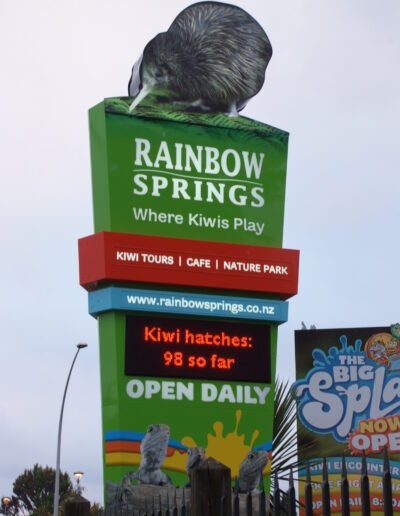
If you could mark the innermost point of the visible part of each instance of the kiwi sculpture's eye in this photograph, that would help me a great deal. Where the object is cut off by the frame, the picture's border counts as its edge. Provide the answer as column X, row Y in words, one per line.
column 151, row 428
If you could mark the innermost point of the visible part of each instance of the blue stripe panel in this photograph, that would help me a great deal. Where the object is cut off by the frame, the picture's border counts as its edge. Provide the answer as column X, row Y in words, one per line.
column 122, row 435
column 353, row 466
column 266, row 447
column 185, row 303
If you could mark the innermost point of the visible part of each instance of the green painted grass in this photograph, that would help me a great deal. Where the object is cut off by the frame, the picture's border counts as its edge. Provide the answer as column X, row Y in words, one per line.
column 160, row 105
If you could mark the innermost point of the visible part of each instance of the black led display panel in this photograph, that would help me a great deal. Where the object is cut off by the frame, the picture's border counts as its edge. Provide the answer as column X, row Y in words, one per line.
column 197, row 348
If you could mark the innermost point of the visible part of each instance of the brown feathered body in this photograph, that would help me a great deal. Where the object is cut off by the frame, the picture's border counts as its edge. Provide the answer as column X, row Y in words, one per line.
column 213, row 53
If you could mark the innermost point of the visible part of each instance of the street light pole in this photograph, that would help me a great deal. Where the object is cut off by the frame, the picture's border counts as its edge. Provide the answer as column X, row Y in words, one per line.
column 57, row 483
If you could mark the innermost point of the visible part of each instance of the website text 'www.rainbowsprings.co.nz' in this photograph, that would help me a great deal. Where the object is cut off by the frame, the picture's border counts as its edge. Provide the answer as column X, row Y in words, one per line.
column 204, row 306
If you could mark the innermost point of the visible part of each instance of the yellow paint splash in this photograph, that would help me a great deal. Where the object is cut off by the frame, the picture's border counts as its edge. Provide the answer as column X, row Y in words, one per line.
column 231, row 449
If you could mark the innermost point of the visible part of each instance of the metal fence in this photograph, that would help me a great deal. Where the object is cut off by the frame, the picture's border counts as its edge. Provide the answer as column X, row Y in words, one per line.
column 278, row 502
column 154, row 507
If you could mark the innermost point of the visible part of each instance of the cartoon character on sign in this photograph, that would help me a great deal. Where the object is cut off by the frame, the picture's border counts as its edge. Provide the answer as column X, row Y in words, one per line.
column 212, row 58
column 384, row 348
column 377, row 351
column 395, row 330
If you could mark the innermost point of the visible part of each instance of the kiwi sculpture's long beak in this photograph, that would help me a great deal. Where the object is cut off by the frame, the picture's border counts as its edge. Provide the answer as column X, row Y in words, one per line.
column 141, row 95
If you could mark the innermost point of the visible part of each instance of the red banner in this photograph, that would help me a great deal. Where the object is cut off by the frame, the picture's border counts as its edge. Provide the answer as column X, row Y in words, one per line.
column 110, row 256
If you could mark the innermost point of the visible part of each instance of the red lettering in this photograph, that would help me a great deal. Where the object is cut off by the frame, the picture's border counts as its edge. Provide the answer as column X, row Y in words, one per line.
column 149, row 334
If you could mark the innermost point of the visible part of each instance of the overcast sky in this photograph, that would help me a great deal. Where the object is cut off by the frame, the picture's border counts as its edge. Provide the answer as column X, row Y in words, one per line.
column 333, row 83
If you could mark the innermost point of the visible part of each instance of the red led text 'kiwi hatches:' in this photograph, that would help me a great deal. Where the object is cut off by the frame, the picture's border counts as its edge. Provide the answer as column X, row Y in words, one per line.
column 156, row 334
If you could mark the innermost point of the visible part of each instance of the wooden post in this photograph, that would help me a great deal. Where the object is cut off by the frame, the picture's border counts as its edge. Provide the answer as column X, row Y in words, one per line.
column 207, row 489
column 77, row 506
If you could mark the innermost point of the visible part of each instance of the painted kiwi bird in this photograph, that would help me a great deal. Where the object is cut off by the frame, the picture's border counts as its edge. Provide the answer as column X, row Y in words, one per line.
column 213, row 57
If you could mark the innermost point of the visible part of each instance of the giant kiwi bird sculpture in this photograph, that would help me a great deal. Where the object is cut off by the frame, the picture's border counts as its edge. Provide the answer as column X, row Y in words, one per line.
column 213, row 58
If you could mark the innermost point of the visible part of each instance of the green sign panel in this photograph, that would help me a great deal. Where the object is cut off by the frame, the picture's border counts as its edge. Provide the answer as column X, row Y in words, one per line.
column 204, row 177
column 189, row 379
column 227, row 418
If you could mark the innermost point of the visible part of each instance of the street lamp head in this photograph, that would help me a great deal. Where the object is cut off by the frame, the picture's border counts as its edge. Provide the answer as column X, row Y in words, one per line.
column 81, row 345
column 78, row 476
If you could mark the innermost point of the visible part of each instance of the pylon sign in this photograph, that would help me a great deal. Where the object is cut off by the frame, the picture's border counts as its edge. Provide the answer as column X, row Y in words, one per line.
column 188, row 281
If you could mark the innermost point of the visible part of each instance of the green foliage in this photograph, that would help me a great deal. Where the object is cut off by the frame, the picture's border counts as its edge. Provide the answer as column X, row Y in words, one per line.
column 34, row 491
column 12, row 508
column 284, row 446
column 96, row 509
